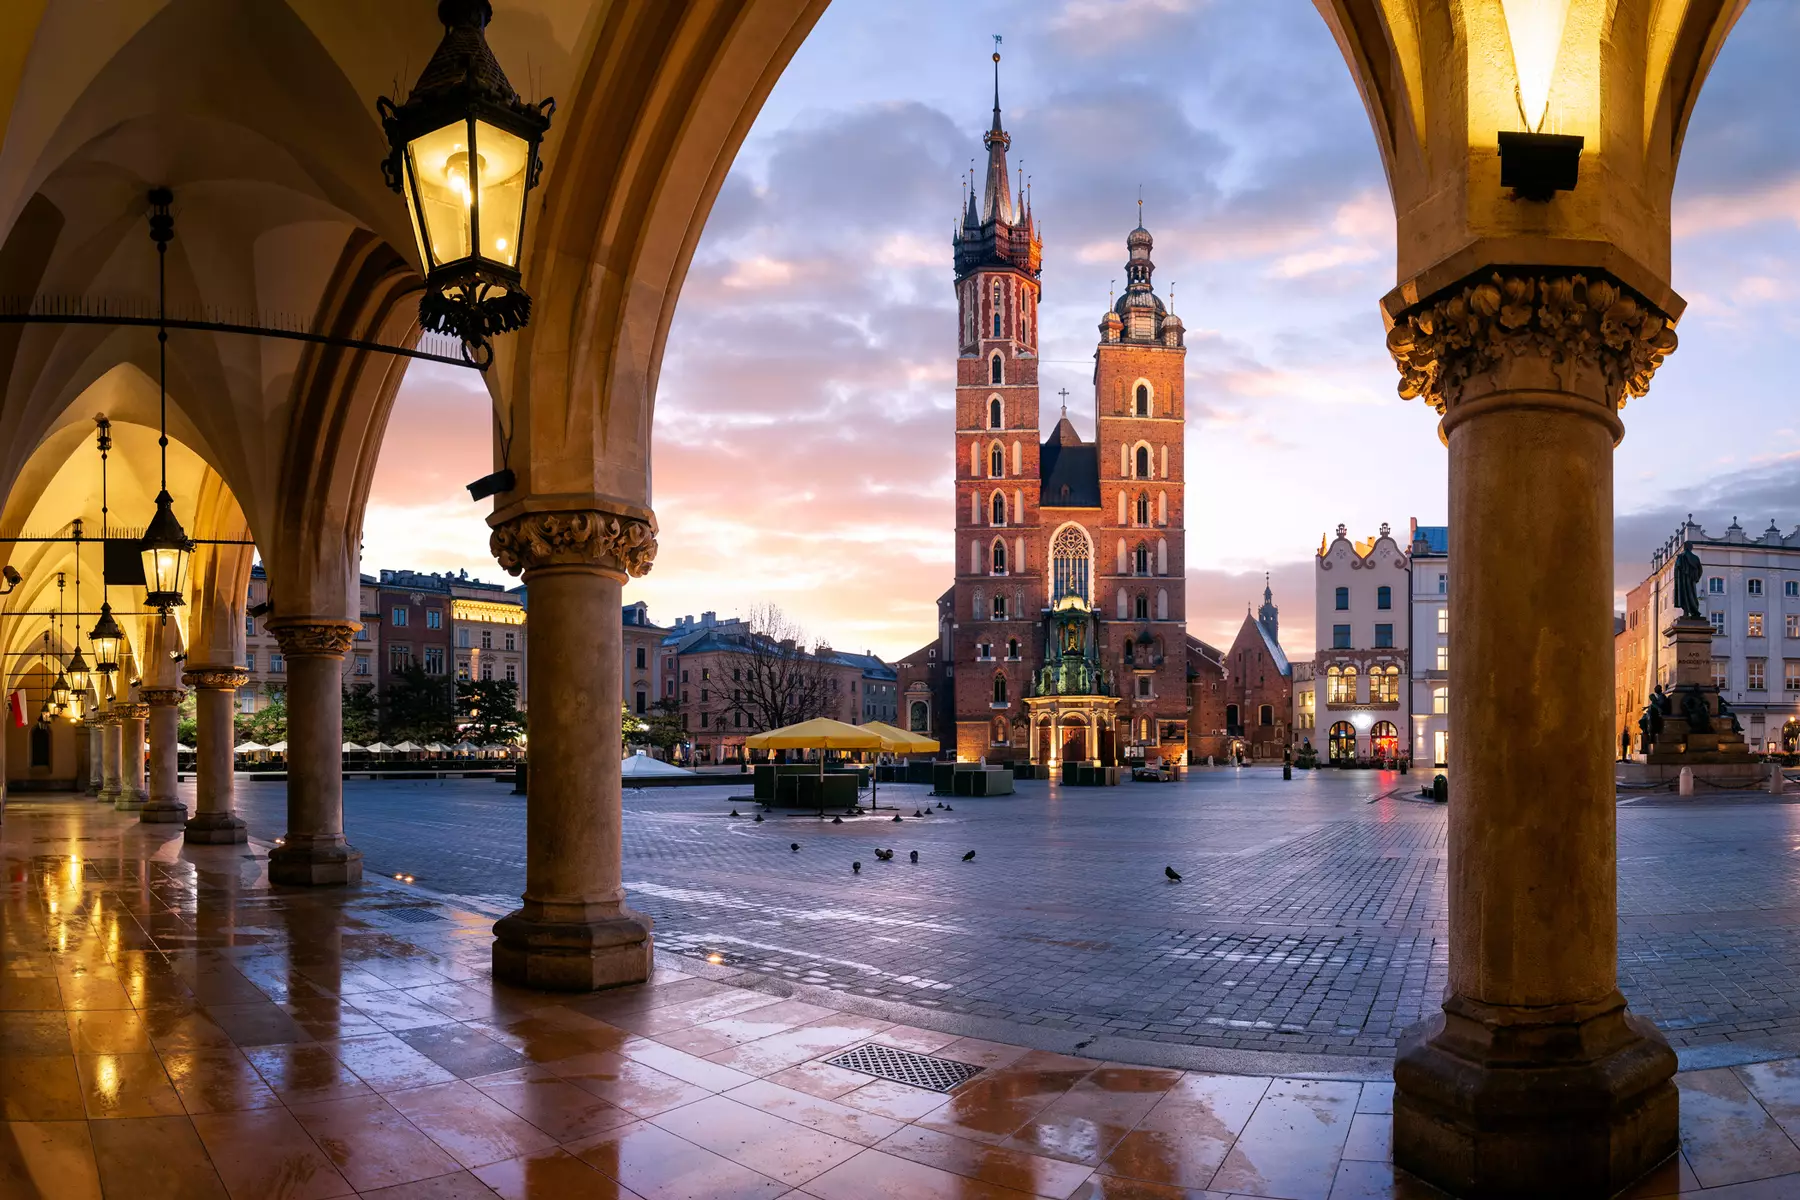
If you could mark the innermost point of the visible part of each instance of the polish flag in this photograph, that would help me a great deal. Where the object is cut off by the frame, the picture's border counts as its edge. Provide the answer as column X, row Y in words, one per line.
column 16, row 702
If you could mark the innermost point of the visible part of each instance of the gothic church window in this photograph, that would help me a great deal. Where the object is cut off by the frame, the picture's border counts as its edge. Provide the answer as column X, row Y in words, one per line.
column 996, row 308
column 999, row 607
column 999, row 508
column 1140, row 560
column 1143, row 400
column 999, row 559
column 997, row 462
column 1143, row 508
column 1069, row 558
column 996, row 416
column 1143, row 607
column 996, row 375
column 999, row 689
column 1143, row 462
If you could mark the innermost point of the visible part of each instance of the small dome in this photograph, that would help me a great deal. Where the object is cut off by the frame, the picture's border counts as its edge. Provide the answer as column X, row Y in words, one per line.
column 1139, row 237
column 1133, row 301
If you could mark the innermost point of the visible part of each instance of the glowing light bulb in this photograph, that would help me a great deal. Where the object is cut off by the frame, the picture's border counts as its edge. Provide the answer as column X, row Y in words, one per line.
column 1536, row 30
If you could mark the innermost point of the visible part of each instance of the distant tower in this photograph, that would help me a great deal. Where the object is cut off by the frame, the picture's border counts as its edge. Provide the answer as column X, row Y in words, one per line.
column 999, row 578
column 1268, row 616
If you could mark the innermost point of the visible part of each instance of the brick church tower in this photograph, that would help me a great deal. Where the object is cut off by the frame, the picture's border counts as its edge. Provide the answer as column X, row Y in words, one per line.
column 1066, row 621
column 999, row 589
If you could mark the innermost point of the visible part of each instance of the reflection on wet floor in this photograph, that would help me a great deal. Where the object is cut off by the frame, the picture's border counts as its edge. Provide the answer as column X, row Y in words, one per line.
column 170, row 1026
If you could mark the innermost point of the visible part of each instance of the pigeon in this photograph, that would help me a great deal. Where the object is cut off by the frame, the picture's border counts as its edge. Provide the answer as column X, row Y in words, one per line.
column 794, row 846
column 837, row 820
column 969, row 857
column 918, row 812
column 856, row 868
column 759, row 818
column 915, row 856
column 1173, row 874
column 884, row 855
column 734, row 812
column 947, row 808
column 896, row 818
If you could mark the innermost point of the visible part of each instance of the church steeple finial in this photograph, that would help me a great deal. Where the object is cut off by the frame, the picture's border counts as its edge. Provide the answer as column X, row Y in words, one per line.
column 996, row 200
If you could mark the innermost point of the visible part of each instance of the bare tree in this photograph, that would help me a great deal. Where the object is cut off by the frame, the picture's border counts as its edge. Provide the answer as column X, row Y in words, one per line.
column 773, row 679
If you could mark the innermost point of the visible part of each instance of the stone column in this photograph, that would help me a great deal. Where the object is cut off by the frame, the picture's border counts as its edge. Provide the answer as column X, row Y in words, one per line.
column 112, row 752
column 164, row 806
column 314, row 851
column 1534, row 1080
column 132, row 795
column 94, row 729
column 215, row 819
column 574, row 931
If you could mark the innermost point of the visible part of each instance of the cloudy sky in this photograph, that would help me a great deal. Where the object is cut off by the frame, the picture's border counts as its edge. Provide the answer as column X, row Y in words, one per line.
column 803, row 450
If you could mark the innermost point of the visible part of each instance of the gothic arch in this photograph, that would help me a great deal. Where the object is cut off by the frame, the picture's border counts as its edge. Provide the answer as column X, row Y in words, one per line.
column 1071, row 563
column 1142, row 398
column 996, row 412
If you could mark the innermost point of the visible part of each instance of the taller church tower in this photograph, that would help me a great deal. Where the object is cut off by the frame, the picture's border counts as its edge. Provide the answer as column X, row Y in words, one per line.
column 999, row 592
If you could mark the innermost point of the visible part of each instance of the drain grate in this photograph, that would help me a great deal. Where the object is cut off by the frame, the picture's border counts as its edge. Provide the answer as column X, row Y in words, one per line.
column 413, row 916
column 903, row 1066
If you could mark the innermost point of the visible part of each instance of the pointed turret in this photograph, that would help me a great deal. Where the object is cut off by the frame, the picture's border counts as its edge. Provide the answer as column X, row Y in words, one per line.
column 996, row 196
column 1268, row 616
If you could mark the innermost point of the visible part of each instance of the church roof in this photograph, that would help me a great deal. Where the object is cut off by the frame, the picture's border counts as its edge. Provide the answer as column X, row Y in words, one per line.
column 1068, row 470
column 1274, row 648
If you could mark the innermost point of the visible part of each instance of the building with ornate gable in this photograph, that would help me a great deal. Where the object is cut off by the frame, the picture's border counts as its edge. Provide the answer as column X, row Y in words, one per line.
column 1361, row 670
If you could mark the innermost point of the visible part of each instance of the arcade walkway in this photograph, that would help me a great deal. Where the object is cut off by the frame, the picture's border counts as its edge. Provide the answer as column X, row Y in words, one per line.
column 172, row 1027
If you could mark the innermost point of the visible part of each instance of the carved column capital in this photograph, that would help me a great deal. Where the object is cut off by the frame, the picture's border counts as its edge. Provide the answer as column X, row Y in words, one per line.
column 131, row 712
column 1577, row 321
column 159, row 697
column 222, row 679
column 315, row 639
column 586, row 537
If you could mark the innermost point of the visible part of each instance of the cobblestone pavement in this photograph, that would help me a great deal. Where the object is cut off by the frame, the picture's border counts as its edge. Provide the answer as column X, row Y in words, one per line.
column 1310, row 916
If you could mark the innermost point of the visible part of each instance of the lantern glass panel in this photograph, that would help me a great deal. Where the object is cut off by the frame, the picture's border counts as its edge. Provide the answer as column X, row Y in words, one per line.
column 165, row 569
column 502, row 160
column 106, row 650
column 438, row 185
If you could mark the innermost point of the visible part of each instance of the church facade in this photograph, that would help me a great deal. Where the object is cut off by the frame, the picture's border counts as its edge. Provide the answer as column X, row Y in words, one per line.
column 1063, row 637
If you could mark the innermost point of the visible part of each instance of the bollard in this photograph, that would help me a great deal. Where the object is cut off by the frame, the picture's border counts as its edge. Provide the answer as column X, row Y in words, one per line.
column 1440, row 789
column 1777, row 780
column 1686, row 784
column 1287, row 772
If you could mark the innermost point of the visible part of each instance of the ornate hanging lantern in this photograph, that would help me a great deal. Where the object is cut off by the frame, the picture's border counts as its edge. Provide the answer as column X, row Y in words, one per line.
column 165, row 548
column 464, row 151
column 107, row 638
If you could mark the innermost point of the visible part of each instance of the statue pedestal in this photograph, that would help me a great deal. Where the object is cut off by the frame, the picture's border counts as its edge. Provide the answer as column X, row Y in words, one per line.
column 1685, row 739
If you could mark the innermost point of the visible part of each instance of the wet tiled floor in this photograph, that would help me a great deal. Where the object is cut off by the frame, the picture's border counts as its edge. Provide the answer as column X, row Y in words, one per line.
column 172, row 1027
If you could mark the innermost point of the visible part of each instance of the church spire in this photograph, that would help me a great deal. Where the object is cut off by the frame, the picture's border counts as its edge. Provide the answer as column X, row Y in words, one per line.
column 996, row 199
column 1268, row 616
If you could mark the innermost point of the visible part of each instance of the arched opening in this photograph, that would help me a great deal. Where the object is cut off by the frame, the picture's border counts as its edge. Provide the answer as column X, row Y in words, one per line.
column 1233, row 724
column 999, row 688
column 998, row 507
column 1142, row 404
column 996, row 414
column 1384, row 740
column 1265, row 716
column 996, row 373
column 999, row 561
column 1342, row 745
column 918, row 717
column 1143, row 508
column 1143, row 462
column 1140, row 559
column 1070, row 558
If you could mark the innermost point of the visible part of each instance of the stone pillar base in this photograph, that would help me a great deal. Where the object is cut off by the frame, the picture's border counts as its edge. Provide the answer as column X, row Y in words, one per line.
column 537, row 951
column 163, row 812
column 315, row 862
column 214, row 829
column 130, row 801
column 1570, row 1101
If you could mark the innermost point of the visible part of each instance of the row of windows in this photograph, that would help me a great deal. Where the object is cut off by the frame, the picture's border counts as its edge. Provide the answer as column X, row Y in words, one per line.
column 1756, row 673
column 1384, row 637
column 1715, row 585
column 487, row 670
column 1340, row 685
column 1753, row 624
column 434, row 618
column 1384, row 597
column 509, row 641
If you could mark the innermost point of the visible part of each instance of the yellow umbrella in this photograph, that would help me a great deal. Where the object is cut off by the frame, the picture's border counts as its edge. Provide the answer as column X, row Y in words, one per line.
column 902, row 741
column 821, row 734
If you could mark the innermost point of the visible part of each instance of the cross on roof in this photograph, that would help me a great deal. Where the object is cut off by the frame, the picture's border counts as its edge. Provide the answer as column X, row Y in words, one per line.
column 1065, row 401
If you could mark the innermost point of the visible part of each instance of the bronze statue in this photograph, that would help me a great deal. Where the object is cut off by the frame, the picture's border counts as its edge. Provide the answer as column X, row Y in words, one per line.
column 1725, row 714
column 1659, row 700
column 1694, row 712
column 1687, row 581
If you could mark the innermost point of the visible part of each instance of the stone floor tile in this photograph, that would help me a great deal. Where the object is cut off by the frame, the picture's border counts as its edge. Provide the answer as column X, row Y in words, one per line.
column 839, row 1120
column 22, row 995
column 473, row 1128
column 108, row 1031
column 552, row 1175
column 259, row 1023
column 154, row 1158
column 1776, row 1086
column 919, row 1041
column 48, row 1160
column 264, row 1153
column 211, row 1081
column 92, row 987
column 1371, row 1137
column 183, row 1026
column 1360, row 1179
column 816, row 1039
column 462, row 1050
column 126, row 1085
column 633, row 1086
column 1291, row 1146
column 34, row 1033
column 1671, row 1177
column 979, row 1052
column 751, row 1137
column 875, row 1175
column 546, row 1035
column 1726, row 1136
column 458, row 1185
column 1085, row 1123
column 887, row 1098
column 551, row 1103
column 819, row 1079
column 40, row 1088
column 1003, row 1166
column 1376, row 1098
column 370, row 1143
column 302, row 1072
column 386, row 1063
column 658, row 1165
column 686, row 1067
column 997, row 1104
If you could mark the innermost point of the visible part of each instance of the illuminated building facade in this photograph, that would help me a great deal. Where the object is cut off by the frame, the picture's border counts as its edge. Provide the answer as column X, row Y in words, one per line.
column 1361, row 670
